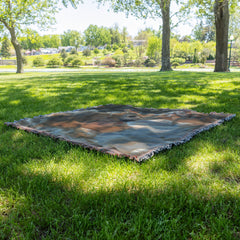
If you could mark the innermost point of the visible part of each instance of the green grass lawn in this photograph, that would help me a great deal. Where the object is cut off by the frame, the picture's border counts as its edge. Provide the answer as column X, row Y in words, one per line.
column 53, row 190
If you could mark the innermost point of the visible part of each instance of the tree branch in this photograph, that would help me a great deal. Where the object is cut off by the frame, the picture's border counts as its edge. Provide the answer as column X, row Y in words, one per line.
column 5, row 23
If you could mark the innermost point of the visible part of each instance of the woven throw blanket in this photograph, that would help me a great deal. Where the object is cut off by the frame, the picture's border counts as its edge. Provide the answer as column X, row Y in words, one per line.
column 123, row 130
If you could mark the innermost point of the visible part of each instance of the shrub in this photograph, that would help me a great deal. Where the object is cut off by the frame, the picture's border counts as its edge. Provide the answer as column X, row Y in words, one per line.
column 76, row 62
column 126, row 59
column 96, row 50
column 178, row 60
column 203, row 59
column 109, row 61
column 138, row 62
column 74, row 51
column 38, row 62
column 54, row 62
column 131, row 46
column 97, row 62
column 105, row 52
column 130, row 63
column 119, row 60
column 125, row 50
column 154, row 48
column 175, row 64
column 109, row 48
column 68, row 60
column 24, row 60
column 118, row 52
column 86, row 52
column 115, row 46
column 63, row 54
column 150, row 62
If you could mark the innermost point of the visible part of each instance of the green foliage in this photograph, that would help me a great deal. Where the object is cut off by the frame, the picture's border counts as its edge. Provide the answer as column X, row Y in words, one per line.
column 192, row 50
column 119, row 60
column 17, row 14
column 68, row 60
column 97, row 62
column 145, row 35
column 175, row 64
column 97, row 36
column 77, row 62
column 96, row 50
column 24, row 60
column 109, row 47
column 38, row 62
column 74, row 51
column 124, row 35
column 73, row 61
column 150, row 62
column 154, row 48
column 234, row 25
column 51, row 41
column 71, row 38
column 54, row 62
column 195, row 57
column 105, row 51
column 118, row 52
column 115, row 47
column 140, row 51
column 115, row 35
column 125, row 50
column 63, row 54
column 205, row 33
column 5, row 49
column 236, row 52
column 178, row 60
column 86, row 52
column 138, row 62
column 126, row 59
column 31, row 40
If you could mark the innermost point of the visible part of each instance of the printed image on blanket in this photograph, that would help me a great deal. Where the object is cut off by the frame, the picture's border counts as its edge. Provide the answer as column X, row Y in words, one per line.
column 123, row 130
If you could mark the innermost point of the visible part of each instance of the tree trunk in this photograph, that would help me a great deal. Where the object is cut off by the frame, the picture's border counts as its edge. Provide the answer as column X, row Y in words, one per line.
column 165, row 8
column 221, row 12
column 17, row 48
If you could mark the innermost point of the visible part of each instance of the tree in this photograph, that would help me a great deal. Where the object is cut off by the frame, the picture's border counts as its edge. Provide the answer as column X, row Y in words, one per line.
column 124, row 35
column 15, row 15
column 5, row 49
column 31, row 41
column 165, row 9
column 51, row 41
column 205, row 32
column 154, row 48
column 72, row 38
column 144, row 35
column 221, row 10
column 97, row 36
column 144, row 9
column 115, row 35
column 234, row 25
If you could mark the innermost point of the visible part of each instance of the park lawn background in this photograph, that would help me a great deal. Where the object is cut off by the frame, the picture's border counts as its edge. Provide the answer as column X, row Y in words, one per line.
column 52, row 190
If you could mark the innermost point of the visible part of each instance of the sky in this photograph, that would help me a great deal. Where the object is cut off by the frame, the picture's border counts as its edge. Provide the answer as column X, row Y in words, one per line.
column 88, row 13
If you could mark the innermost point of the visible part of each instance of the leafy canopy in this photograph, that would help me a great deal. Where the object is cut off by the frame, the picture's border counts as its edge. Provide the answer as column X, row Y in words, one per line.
column 21, row 13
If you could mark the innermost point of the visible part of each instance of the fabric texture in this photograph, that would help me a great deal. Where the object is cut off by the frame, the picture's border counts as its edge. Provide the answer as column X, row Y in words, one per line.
column 123, row 130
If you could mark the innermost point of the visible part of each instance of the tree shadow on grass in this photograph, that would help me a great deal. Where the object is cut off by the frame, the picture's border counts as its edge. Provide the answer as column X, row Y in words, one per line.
column 38, row 95
column 45, row 201
column 43, row 206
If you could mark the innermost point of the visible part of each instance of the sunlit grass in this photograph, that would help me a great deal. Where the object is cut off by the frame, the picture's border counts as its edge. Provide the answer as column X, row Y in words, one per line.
column 53, row 190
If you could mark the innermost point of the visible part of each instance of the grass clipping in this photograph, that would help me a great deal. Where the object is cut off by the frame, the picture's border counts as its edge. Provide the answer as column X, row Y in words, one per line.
column 123, row 130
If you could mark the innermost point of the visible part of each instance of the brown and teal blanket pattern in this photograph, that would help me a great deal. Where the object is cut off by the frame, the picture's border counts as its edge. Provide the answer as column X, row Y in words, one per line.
column 122, row 130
